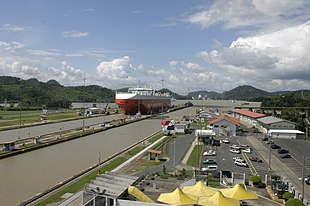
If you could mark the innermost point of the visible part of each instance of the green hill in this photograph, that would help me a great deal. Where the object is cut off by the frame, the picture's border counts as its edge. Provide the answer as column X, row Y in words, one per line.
column 246, row 92
column 34, row 93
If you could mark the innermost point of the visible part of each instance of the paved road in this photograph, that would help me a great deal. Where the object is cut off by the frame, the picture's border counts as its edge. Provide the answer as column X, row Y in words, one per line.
column 279, row 166
column 11, row 135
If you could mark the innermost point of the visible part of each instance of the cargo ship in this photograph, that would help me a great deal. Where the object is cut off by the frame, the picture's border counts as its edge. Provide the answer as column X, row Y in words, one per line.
column 142, row 100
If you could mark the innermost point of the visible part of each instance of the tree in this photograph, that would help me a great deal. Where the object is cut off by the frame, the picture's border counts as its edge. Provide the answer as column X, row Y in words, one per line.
column 287, row 195
column 294, row 202
column 255, row 179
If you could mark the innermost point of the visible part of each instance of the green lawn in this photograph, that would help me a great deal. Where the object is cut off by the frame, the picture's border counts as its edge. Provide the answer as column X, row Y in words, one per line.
column 195, row 156
column 15, row 118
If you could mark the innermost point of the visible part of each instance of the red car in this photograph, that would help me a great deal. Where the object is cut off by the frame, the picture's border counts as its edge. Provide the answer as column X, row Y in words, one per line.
column 255, row 159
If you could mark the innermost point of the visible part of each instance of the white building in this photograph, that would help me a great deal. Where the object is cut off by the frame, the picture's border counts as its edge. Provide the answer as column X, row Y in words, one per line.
column 225, row 125
column 286, row 134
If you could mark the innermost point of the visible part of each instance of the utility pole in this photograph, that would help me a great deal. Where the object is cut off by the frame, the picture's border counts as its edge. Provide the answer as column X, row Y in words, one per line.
column 84, row 105
column 162, row 101
column 269, row 168
column 99, row 158
column 188, row 100
column 303, row 176
column 20, row 108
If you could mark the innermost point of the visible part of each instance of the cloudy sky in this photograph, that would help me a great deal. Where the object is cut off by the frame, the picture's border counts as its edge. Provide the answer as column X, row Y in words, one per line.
column 193, row 45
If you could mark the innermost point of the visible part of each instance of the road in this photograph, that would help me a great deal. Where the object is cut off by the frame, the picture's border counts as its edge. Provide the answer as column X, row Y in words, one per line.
column 11, row 135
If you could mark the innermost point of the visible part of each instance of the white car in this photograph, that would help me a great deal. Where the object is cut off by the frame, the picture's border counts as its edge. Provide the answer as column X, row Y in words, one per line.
column 238, row 159
column 235, row 151
column 241, row 164
column 209, row 168
column 209, row 153
column 226, row 141
column 247, row 150
column 234, row 146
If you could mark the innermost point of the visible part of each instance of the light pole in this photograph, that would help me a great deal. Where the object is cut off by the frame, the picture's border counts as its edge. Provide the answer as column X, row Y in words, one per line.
column 174, row 137
column 303, row 176
column 84, row 105
column 162, row 101
column 188, row 97
column 269, row 165
column 99, row 158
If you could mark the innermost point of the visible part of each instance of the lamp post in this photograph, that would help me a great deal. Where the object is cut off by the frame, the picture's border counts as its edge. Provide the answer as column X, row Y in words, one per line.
column 303, row 176
column 269, row 164
column 84, row 105
column 174, row 137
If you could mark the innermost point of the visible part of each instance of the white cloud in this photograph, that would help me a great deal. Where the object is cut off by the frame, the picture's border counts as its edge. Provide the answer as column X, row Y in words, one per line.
column 257, row 13
column 116, row 72
column 12, row 46
column 280, row 56
column 75, row 34
column 12, row 27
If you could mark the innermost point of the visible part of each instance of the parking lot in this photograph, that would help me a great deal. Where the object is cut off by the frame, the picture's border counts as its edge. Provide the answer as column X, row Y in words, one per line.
column 290, row 168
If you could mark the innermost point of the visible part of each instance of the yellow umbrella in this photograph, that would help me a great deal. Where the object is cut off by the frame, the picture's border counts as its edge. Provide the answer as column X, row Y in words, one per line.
column 218, row 199
column 177, row 197
column 199, row 190
column 238, row 192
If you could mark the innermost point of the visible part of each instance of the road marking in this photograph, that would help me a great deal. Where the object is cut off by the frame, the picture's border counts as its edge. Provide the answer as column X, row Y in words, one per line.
column 248, row 162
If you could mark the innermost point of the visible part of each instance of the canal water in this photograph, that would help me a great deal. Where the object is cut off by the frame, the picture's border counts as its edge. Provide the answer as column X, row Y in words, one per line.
column 25, row 175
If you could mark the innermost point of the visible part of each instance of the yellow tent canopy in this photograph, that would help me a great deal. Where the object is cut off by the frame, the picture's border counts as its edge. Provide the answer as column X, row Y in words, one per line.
column 177, row 197
column 132, row 190
column 238, row 192
column 218, row 199
column 199, row 190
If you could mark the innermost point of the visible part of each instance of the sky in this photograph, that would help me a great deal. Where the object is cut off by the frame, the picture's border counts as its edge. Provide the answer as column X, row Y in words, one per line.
column 210, row 45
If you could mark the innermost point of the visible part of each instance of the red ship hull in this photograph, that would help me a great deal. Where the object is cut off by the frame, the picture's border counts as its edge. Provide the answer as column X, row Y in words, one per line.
column 145, row 106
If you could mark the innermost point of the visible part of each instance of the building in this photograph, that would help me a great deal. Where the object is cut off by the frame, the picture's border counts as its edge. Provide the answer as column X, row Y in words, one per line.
column 225, row 125
column 279, row 128
column 266, row 123
column 247, row 116
column 286, row 134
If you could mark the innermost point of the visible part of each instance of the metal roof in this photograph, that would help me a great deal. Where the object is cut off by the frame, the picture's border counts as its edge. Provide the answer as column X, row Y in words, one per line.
column 110, row 184
column 248, row 113
column 271, row 120
column 288, row 131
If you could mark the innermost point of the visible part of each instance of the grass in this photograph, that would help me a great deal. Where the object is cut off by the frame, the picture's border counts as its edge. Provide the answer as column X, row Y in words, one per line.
column 77, row 186
column 156, row 137
column 11, row 118
column 194, row 158
column 135, row 150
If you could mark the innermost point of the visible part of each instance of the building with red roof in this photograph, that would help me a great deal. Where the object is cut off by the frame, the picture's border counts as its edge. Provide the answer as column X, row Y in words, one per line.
column 247, row 116
column 225, row 125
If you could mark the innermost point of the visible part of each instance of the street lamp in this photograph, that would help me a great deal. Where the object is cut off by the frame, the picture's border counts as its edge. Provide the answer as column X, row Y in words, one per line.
column 174, row 137
column 84, row 105
column 303, row 176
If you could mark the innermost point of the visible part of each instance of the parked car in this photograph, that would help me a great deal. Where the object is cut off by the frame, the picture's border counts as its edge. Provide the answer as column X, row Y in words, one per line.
column 209, row 161
column 235, row 151
column 285, row 156
column 265, row 139
column 247, row 150
column 238, row 159
column 241, row 164
column 307, row 179
column 209, row 153
column 269, row 142
column 274, row 146
column 283, row 151
column 209, row 168
column 255, row 159
column 226, row 141
column 234, row 146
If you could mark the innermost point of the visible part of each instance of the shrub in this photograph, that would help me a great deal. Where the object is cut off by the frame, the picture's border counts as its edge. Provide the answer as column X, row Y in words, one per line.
column 287, row 195
column 294, row 202
column 255, row 179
